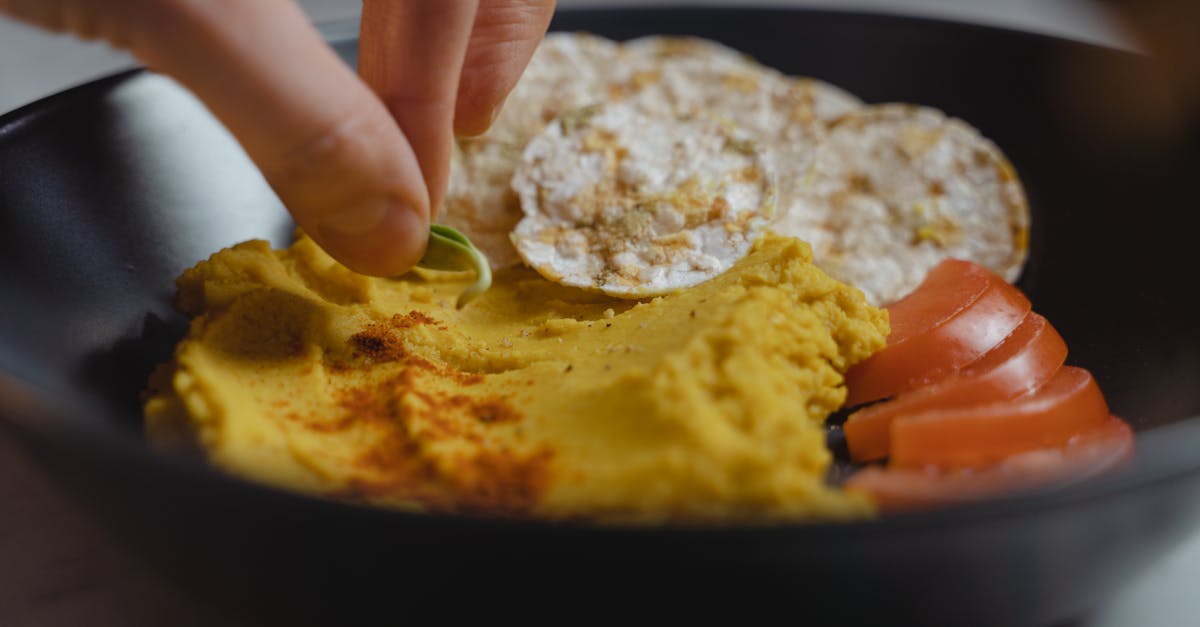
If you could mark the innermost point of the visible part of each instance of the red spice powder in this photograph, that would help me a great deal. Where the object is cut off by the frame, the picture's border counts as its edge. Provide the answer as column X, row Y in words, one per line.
column 494, row 412
column 401, row 464
column 415, row 318
column 379, row 342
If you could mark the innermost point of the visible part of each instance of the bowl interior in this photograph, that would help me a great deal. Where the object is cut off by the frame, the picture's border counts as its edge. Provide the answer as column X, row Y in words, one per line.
column 109, row 191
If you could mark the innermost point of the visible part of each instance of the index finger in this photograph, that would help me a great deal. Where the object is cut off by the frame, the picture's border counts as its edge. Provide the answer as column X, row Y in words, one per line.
column 326, row 145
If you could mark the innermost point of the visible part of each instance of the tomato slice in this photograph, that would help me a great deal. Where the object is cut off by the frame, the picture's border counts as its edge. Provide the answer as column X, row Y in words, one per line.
column 959, row 312
column 973, row 436
column 1088, row 454
column 1022, row 362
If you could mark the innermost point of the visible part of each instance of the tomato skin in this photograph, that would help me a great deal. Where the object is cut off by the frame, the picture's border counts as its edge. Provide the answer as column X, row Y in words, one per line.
column 979, row 401
column 1025, row 360
column 957, row 314
column 974, row 436
column 1090, row 453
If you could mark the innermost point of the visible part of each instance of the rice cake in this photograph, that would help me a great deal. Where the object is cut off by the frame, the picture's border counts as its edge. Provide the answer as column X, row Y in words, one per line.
column 786, row 116
column 690, row 74
column 898, row 188
column 635, row 203
column 666, row 75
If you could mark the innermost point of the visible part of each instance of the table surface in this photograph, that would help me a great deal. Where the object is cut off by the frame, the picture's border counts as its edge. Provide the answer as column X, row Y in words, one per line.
column 58, row 567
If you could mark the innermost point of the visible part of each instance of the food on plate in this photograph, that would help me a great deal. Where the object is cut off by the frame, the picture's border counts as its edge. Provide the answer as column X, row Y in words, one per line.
column 1012, row 418
column 1088, row 454
column 1022, row 362
column 635, row 205
column 956, row 315
column 882, row 193
column 538, row 399
column 975, row 436
column 896, row 189
column 689, row 249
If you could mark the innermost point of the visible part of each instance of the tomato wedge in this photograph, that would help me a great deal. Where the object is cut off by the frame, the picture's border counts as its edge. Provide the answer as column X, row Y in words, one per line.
column 1088, row 454
column 1022, row 362
column 959, row 312
column 970, row 437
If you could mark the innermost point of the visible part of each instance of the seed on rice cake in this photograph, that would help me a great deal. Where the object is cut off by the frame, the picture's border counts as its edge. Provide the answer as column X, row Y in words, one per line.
column 634, row 204
column 567, row 71
column 821, row 100
column 898, row 188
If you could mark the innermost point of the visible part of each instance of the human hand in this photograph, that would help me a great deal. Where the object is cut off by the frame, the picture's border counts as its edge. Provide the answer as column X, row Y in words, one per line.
column 363, row 173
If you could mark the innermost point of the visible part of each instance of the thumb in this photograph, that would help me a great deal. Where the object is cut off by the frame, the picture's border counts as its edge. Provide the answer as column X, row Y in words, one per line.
column 325, row 143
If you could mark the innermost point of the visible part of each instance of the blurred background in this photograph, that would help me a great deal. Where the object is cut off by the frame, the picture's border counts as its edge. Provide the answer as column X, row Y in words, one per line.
column 34, row 64
column 59, row 569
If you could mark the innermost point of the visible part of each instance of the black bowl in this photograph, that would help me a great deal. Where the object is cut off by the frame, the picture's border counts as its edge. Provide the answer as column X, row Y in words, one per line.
column 109, row 190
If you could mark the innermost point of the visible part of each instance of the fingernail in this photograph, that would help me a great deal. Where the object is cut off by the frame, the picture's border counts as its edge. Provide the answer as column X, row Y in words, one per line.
column 383, row 239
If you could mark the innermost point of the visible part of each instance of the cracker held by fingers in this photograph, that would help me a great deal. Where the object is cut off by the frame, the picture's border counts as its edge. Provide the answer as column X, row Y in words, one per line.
column 635, row 204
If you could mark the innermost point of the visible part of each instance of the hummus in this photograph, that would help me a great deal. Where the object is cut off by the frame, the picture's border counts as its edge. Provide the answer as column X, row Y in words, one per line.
column 536, row 400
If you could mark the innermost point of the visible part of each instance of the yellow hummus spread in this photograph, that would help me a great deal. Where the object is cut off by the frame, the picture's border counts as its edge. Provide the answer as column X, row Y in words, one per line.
column 536, row 400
